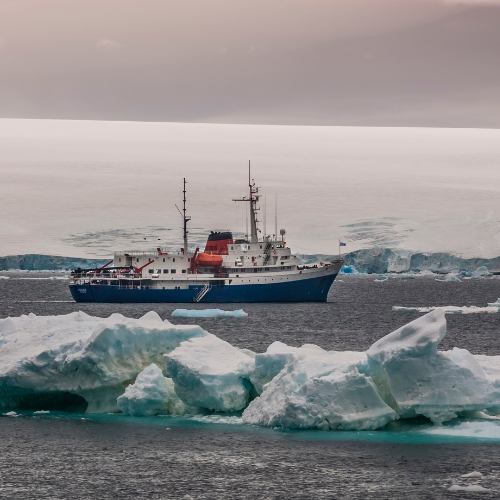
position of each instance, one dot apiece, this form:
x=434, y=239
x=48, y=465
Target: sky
x=424, y=63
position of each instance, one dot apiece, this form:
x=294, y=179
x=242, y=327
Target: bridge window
x=172, y=271
x=163, y=260
x=184, y=271
x=173, y=260
x=189, y=259
x=151, y=271
x=165, y=271
x=137, y=260
x=261, y=247
x=119, y=260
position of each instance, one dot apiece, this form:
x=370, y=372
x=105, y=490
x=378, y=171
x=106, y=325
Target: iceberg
x=147, y=366
x=415, y=379
x=210, y=373
x=151, y=394
x=79, y=362
x=208, y=313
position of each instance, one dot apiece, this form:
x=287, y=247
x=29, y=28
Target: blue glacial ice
x=149, y=367
x=209, y=313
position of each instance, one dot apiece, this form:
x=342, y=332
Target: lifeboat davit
x=207, y=260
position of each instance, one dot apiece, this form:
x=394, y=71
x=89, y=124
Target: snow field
x=148, y=366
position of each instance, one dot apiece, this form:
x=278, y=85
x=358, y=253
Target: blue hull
x=308, y=290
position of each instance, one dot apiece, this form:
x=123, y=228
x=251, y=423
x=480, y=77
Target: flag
x=342, y=244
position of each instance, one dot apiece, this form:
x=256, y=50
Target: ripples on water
x=63, y=456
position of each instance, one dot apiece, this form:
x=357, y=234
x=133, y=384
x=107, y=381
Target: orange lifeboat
x=207, y=260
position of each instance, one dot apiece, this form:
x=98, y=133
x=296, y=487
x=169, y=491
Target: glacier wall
x=37, y=262
x=387, y=260
x=369, y=260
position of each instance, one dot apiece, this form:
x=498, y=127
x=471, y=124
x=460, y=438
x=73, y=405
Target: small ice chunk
x=210, y=373
x=11, y=414
x=40, y=412
x=476, y=488
x=472, y=474
x=208, y=313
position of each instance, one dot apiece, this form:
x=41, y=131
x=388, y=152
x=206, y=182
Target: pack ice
x=77, y=359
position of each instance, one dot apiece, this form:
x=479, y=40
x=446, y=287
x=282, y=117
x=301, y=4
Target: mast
x=186, y=219
x=252, y=199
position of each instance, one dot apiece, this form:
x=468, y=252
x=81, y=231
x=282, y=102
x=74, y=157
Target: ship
x=228, y=270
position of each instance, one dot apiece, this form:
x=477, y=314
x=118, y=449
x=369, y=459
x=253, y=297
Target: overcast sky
x=324, y=62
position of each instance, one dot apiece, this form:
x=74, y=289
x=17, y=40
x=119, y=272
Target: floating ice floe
x=494, y=304
x=473, y=488
x=49, y=362
x=450, y=309
x=451, y=277
x=208, y=313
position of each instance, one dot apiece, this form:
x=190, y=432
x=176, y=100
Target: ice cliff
x=148, y=366
x=372, y=260
x=36, y=262
x=387, y=260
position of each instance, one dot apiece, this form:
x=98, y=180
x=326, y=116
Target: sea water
x=62, y=455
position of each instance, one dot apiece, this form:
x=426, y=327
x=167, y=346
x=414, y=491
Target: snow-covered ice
x=208, y=313
x=210, y=373
x=322, y=390
x=151, y=394
x=51, y=357
x=267, y=365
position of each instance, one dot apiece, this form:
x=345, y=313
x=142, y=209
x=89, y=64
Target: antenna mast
x=252, y=199
x=276, y=217
x=186, y=219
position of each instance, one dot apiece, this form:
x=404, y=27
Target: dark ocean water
x=61, y=456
